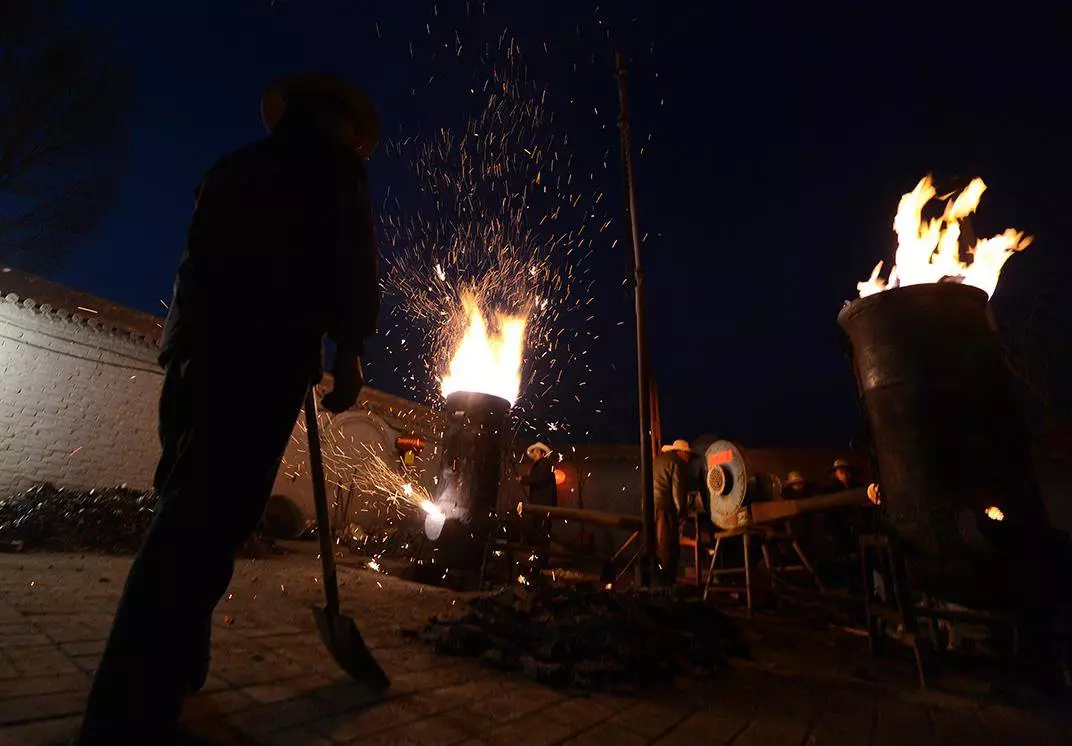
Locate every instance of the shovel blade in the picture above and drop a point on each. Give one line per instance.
(347, 647)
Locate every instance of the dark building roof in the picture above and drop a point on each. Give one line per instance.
(51, 297)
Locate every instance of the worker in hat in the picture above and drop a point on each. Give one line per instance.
(796, 486)
(542, 491)
(843, 527)
(671, 479)
(844, 476)
(280, 252)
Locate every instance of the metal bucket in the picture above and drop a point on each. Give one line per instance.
(952, 451)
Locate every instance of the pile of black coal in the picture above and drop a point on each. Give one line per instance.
(583, 637)
(111, 520)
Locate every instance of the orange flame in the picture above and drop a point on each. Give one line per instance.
(484, 360)
(929, 252)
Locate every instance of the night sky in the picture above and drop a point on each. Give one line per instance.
(780, 142)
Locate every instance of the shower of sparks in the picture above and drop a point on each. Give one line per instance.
(374, 477)
(508, 220)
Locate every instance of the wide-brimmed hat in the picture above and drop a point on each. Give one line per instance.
(677, 445)
(546, 449)
(841, 464)
(363, 114)
(795, 477)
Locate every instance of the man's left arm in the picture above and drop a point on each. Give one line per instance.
(354, 304)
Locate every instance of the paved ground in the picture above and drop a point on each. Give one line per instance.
(272, 683)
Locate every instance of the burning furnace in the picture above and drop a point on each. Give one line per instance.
(468, 485)
(953, 456)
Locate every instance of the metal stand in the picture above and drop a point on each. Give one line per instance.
(900, 609)
(712, 584)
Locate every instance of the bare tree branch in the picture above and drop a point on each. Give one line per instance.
(63, 98)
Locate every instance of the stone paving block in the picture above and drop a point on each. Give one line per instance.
(26, 686)
(44, 733)
(897, 720)
(579, 713)
(24, 639)
(214, 704)
(531, 730)
(280, 715)
(259, 672)
(437, 731)
(299, 736)
(41, 707)
(1013, 726)
(433, 701)
(62, 630)
(605, 733)
(277, 691)
(83, 647)
(846, 718)
(41, 661)
(473, 726)
(7, 668)
(650, 719)
(18, 628)
(349, 695)
(958, 727)
(367, 721)
(87, 663)
(438, 677)
(515, 704)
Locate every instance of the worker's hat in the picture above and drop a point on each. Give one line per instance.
(795, 477)
(546, 450)
(366, 121)
(841, 464)
(677, 445)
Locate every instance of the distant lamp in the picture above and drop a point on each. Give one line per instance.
(994, 513)
(408, 447)
(560, 477)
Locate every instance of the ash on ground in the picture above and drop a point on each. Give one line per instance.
(581, 637)
(111, 520)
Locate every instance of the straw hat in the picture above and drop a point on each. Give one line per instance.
(538, 447)
(677, 445)
(795, 477)
(365, 119)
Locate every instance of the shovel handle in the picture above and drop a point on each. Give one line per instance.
(320, 500)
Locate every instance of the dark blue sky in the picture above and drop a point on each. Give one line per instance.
(781, 142)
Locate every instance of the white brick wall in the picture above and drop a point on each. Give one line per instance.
(77, 402)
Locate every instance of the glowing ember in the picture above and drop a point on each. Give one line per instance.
(929, 251)
(486, 361)
(994, 513)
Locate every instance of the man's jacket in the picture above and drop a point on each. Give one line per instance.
(670, 476)
(541, 483)
(280, 252)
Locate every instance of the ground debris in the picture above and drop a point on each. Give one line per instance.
(111, 520)
(587, 638)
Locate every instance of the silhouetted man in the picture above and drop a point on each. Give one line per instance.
(280, 252)
(542, 491)
(670, 477)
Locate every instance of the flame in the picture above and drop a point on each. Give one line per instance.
(929, 251)
(994, 513)
(487, 361)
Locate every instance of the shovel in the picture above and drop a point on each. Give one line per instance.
(339, 632)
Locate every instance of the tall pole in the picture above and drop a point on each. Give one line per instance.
(647, 491)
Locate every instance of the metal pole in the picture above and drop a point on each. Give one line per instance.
(647, 492)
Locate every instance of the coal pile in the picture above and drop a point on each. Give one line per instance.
(111, 520)
(581, 637)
